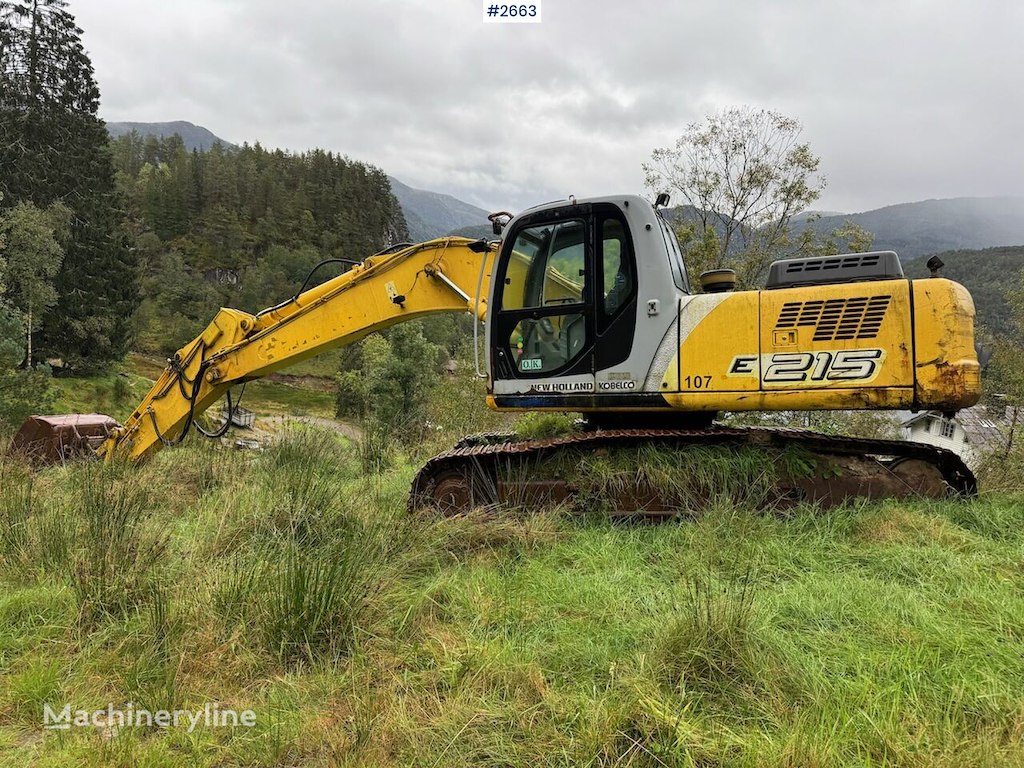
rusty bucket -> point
(47, 440)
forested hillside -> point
(241, 227)
(427, 214)
(988, 274)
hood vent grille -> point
(837, 319)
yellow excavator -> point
(586, 307)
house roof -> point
(985, 426)
(919, 416)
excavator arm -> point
(444, 275)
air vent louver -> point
(836, 319)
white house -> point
(973, 432)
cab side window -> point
(617, 268)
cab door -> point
(615, 284)
(542, 335)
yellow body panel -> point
(830, 347)
(714, 328)
(948, 373)
(820, 322)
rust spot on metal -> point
(949, 386)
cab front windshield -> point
(546, 267)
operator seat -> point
(573, 336)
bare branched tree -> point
(745, 174)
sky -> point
(902, 100)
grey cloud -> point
(903, 101)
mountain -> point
(910, 229)
(432, 214)
(194, 136)
(931, 226)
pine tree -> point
(53, 148)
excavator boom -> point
(409, 282)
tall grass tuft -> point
(714, 639)
(297, 494)
(150, 655)
(305, 603)
(301, 444)
(314, 601)
(719, 648)
(17, 504)
(115, 554)
(1003, 471)
(377, 449)
(304, 584)
(51, 540)
(200, 470)
(689, 480)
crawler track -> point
(477, 471)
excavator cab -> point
(568, 328)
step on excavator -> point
(586, 307)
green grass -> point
(277, 398)
(282, 399)
(116, 393)
(119, 392)
(292, 583)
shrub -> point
(390, 388)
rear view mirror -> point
(499, 220)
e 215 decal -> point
(799, 367)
